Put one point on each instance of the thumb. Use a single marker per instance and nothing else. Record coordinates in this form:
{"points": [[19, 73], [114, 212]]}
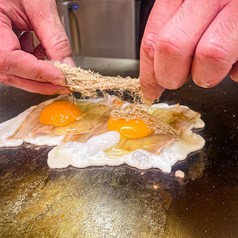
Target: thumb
{"points": [[45, 21]]}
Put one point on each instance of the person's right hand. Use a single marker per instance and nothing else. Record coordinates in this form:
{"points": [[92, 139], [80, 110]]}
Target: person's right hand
{"points": [[193, 36], [18, 66]]}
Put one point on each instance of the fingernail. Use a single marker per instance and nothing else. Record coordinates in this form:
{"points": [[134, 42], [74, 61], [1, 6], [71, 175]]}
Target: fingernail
{"points": [[63, 90], [155, 94], [234, 76], [69, 61], [59, 81], [202, 84]]}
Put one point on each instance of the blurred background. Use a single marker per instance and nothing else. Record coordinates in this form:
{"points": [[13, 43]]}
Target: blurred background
{"points": [[105, 28]]}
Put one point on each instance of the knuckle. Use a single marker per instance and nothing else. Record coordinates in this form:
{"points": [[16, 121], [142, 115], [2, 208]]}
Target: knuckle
{"points": [[60, 41], [213, 53], [169, 44], [58, 47], [148, 46]]}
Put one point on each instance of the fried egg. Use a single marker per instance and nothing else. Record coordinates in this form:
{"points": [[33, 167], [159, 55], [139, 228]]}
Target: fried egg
{"points": [[85, 134]]}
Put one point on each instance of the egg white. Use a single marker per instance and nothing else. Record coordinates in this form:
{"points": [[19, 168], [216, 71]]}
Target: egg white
{"points": [[83, 155], [93, 152], [8, 128], [199, 123]]}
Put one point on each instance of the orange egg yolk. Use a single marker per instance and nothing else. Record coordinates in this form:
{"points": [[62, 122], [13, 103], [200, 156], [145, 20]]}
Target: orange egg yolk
{"points": [[60, 113], [129, 128]]}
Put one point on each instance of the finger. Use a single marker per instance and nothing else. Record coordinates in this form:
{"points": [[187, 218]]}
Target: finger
{"points": [[26, 42], [162, 11], [32, 86], [27, 66], [49, 30], [217, 50], [16, 62], [8, 39], [178, 39], [151, 90], [234, 72]]}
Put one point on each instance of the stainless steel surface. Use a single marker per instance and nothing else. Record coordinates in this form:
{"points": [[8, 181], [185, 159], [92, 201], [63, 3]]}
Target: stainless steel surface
{"points": [[109, 66], [121, 201], [64, 7], [101, 28]]}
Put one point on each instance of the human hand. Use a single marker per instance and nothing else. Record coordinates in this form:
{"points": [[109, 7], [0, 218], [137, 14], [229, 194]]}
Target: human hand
{"points": [[18, 66], [193, 36]]}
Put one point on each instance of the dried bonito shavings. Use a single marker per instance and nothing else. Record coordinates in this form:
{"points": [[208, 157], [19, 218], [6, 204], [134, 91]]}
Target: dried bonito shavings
{"points": [[137, 112], [88, 83]]}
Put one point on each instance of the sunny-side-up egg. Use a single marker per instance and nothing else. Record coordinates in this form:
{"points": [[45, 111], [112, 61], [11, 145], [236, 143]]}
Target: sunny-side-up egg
{"points": [[26, 127], [19, 129], [49, 122], [133, 142], [87, 135]]}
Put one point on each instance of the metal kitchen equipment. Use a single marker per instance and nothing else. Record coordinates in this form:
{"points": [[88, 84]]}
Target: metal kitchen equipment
{"points": [[102, 28]]}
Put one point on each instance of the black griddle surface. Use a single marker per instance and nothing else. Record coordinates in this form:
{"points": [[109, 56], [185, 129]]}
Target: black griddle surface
{"points": [[121, 201]]}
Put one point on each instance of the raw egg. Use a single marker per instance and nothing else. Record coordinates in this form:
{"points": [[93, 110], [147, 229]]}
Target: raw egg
{"points": [[60, 113], [129, 128], [80, 134]]}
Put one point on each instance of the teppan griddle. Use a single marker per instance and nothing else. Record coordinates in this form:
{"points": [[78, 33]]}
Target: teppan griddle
{"points": [[122, 201]]}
